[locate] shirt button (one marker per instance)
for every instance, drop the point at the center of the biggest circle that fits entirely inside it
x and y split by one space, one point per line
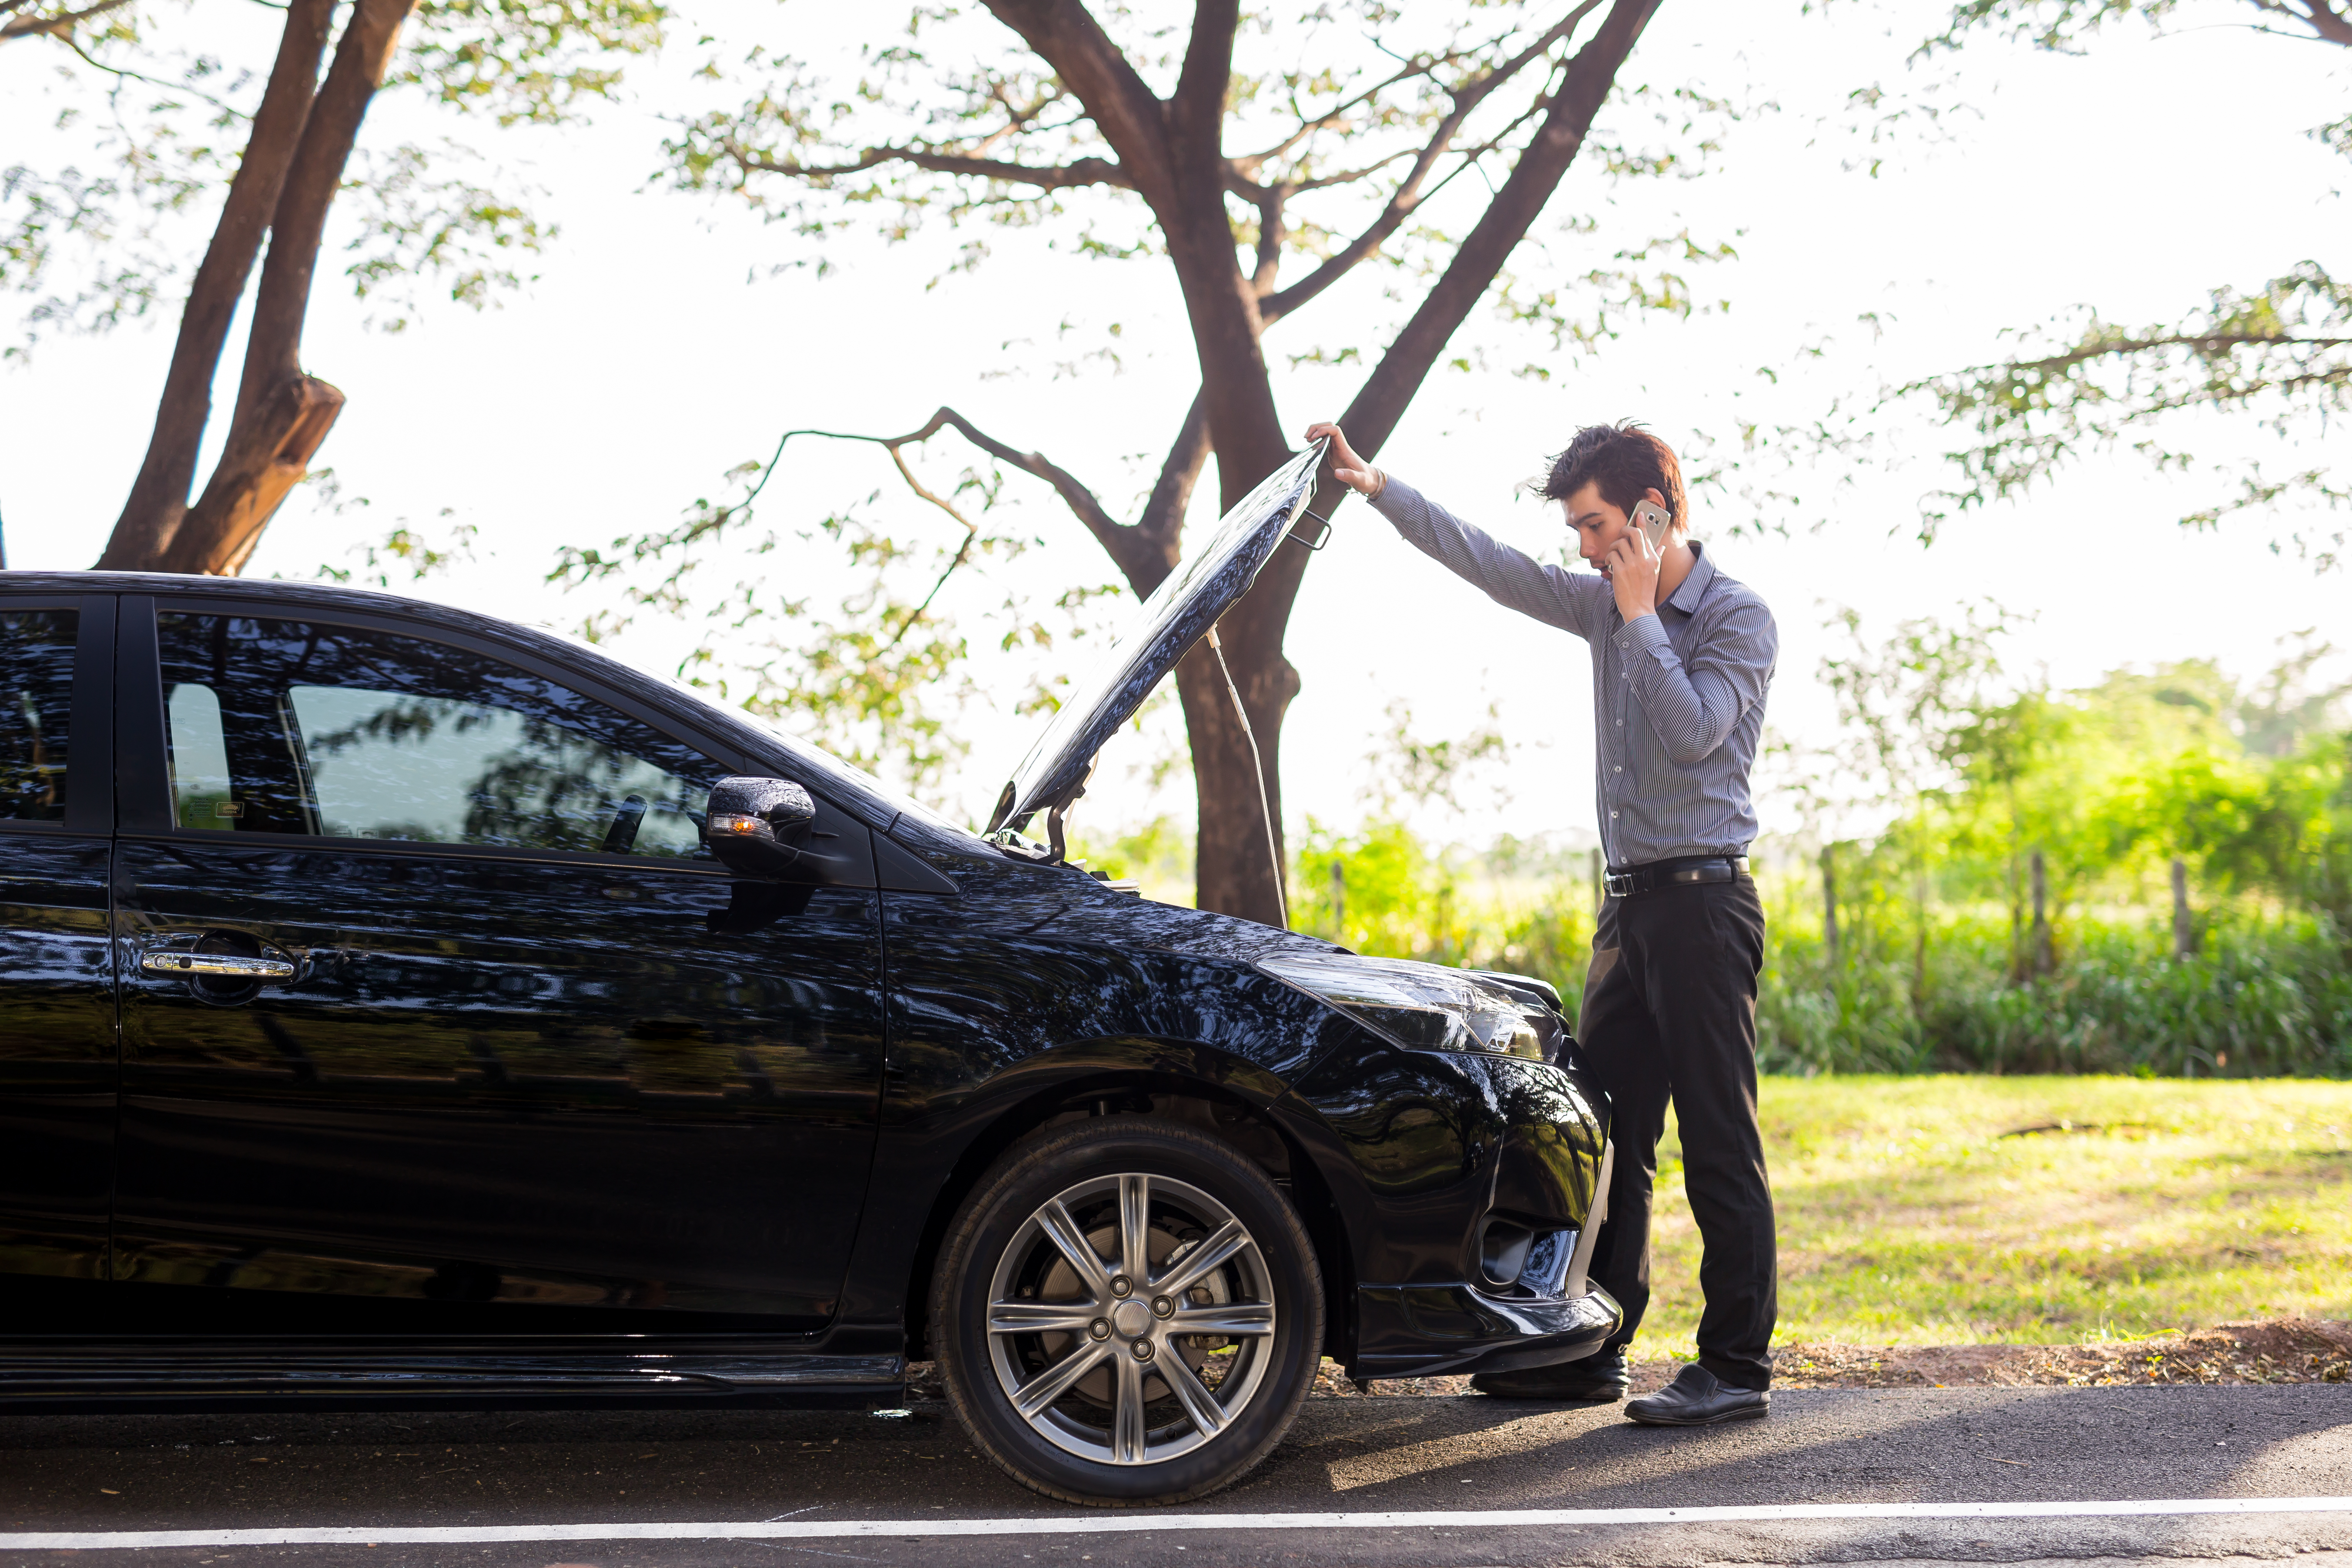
1618 770
1613 817
1620 723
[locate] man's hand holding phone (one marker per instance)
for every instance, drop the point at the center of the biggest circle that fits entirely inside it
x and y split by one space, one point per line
1634 561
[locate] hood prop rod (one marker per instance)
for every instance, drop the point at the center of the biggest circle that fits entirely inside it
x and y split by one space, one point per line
1257 769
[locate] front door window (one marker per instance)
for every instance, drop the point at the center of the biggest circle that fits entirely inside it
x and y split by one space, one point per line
283 727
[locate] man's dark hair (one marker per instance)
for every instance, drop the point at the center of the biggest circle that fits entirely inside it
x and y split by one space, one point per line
1622 460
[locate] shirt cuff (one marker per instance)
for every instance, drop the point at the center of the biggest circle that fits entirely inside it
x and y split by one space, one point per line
1397 501
1648 632
1636 637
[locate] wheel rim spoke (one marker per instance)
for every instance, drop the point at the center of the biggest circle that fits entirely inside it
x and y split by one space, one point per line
1240 1319
1064 1232
1208 1415
1135 1229
1041 1317
1127 1445
1217 1250
1057 1379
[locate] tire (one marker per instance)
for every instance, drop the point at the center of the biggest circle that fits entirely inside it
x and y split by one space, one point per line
1014 1310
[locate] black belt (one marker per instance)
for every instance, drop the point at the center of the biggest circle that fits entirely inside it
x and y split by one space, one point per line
1665 873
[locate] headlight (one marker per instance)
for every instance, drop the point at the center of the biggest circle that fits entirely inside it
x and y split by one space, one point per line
1420 1006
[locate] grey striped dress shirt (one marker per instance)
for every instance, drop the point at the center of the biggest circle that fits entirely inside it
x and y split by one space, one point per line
1677 697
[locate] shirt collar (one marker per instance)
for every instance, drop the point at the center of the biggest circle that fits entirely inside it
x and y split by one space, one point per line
1685 598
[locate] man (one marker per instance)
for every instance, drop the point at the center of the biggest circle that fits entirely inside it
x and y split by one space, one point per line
1682 658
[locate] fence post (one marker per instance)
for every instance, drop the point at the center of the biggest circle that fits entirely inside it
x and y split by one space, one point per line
2041 961
2184 930
1919 941
1829 907
1338 901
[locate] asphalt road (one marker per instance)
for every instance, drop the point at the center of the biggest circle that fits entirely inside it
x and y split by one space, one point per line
1434 1460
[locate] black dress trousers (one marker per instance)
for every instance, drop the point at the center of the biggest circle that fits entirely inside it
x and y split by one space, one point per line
1670 1011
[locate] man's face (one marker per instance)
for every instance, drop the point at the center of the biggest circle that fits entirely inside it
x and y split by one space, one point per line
1598 525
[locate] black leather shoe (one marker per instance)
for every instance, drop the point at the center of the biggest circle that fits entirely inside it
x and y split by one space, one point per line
1599 1379
1696 1399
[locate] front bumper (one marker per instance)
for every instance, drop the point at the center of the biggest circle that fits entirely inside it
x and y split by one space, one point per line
1421 1330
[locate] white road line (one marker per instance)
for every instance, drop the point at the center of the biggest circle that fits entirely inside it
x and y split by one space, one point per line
1142 1523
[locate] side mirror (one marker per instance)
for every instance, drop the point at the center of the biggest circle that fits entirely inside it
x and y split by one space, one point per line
758 826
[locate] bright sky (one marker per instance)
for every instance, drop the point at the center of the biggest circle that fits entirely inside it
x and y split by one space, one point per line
659 348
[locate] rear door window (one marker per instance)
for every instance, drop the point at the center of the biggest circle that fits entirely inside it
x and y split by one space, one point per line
284 726
37 666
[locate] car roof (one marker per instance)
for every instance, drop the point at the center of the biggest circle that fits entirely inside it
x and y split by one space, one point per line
850 787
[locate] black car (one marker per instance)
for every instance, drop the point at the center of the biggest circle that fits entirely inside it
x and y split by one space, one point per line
403 1005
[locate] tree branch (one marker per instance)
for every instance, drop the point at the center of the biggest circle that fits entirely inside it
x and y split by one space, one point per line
2205 345
1084 172
1115 96
1144 552
57 26
1350 176
1409 195
1268 200
126 74
1124 544
2331 24
1163 523
1196 112
1249 163
1382 403
1014 118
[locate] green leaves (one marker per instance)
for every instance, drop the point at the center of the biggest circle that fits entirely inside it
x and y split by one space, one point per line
2281 355
1409 773
418 221
525 60
156 103
873 665
2061 25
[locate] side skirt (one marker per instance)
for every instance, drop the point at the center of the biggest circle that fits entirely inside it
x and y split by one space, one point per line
166 1375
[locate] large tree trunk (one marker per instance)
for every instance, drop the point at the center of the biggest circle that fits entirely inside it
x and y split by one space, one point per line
159 496
282 415
1233 873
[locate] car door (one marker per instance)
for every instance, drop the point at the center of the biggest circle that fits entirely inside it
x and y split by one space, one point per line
500 1032
56 1000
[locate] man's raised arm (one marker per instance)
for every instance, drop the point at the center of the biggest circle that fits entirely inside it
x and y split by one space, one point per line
1574 602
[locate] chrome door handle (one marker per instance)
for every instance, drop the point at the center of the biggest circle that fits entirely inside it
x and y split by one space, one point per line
234 965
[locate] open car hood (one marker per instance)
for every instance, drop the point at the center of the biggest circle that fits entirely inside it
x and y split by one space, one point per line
1179 614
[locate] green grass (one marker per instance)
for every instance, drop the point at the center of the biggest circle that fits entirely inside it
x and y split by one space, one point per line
1906 1217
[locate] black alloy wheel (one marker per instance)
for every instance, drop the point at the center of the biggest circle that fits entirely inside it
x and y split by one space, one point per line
1127 1311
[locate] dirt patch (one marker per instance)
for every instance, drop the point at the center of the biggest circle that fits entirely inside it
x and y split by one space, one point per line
2286 1349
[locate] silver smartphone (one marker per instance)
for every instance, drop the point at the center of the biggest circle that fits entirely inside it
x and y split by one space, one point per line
1652 519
